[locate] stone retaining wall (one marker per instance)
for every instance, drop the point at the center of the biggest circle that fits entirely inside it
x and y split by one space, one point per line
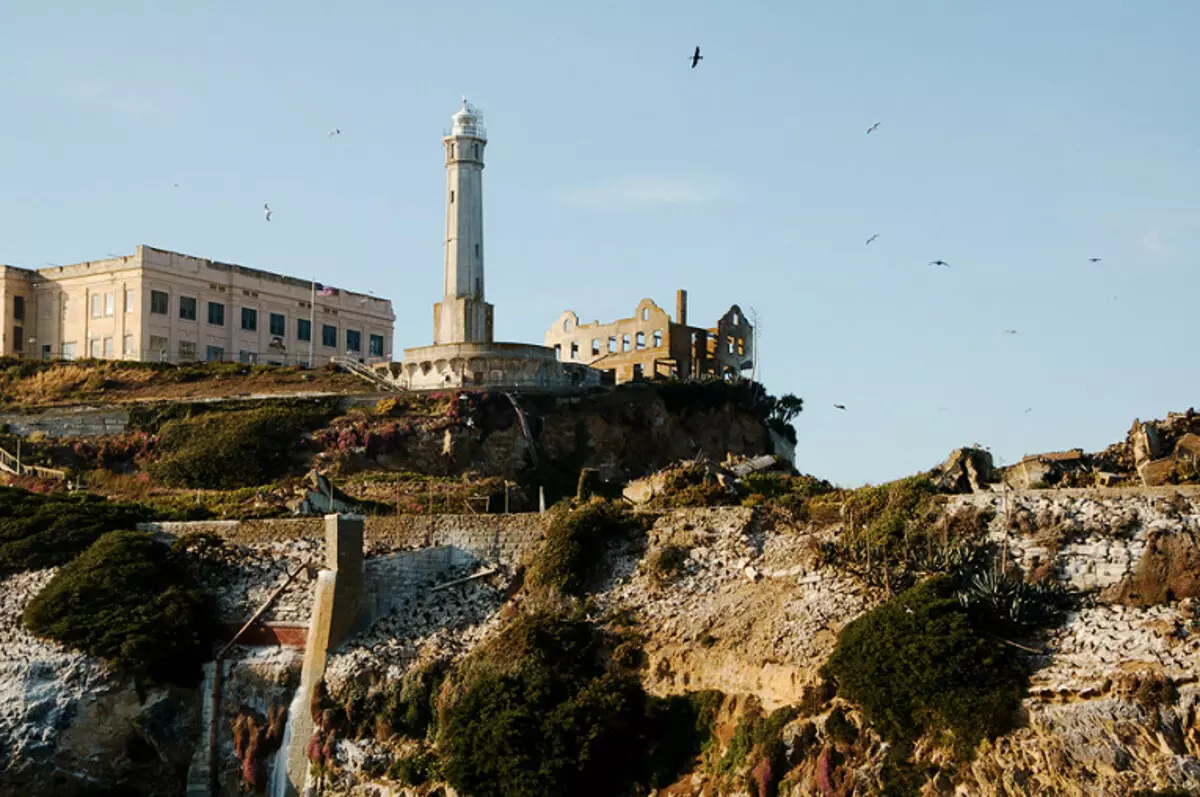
505 539
75 423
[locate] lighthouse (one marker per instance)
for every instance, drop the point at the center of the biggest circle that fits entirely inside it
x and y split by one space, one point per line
464 353
463 316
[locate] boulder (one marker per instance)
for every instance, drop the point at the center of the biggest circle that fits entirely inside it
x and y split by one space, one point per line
1146 442
1157 472
967 470
1169 570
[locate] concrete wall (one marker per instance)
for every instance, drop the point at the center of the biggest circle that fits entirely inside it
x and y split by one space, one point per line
505 539
79 423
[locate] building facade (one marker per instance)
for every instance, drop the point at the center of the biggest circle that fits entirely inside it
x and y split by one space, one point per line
651 345
464 352
156 305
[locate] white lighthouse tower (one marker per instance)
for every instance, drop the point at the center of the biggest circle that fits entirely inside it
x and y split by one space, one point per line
463 316
464 353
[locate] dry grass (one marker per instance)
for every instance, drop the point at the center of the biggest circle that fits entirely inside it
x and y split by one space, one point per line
34 383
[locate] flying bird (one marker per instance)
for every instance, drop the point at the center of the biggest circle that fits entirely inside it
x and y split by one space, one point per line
1028 410
873 127
1094 259
1010 332
696 57
939 263
839 406
335 133
267 208
872 238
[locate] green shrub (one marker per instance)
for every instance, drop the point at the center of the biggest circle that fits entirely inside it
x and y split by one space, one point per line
677 729
232 449
573 551
416 769
126 600
537 714
921 662
756 751
38 530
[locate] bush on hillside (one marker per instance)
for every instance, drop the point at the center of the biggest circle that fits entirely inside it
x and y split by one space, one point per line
126 600
756 757
573 551
232 449
541 711
38 531
538 715
922 662
789 493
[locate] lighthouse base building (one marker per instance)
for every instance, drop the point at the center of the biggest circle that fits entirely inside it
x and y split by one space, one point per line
463 353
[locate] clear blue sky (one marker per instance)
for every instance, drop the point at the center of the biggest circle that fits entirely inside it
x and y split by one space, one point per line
1018 139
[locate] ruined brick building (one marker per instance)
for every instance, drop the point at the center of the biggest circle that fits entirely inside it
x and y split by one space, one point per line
652 346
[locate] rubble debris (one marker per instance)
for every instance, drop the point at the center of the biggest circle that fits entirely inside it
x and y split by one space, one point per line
967 470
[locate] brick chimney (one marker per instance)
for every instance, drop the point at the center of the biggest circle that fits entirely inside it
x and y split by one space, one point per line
681 306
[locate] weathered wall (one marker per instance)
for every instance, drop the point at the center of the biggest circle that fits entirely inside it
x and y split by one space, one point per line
69 423
501 538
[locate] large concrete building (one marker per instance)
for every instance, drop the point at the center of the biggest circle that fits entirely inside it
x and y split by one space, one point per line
652 346
464 352
164 306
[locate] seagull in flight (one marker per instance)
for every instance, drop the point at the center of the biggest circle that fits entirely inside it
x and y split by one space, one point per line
872 238
696 57
839 406
939 263
267 209
873 127
335 133
1010 332
1094 259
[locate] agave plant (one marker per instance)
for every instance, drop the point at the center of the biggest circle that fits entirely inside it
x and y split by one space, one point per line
1008 597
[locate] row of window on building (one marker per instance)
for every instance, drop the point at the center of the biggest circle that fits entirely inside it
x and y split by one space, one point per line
103 305
627 343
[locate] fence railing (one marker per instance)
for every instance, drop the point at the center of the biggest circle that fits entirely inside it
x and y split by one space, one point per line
9 463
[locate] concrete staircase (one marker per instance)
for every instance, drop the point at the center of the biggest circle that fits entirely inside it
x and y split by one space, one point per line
369 374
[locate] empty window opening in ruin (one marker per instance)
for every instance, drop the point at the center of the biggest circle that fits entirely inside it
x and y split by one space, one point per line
729 344
657 338
595 346
625 343
558 351
612 343
637 372
735 319
567 325
645 313
574 350
641 340
741 346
